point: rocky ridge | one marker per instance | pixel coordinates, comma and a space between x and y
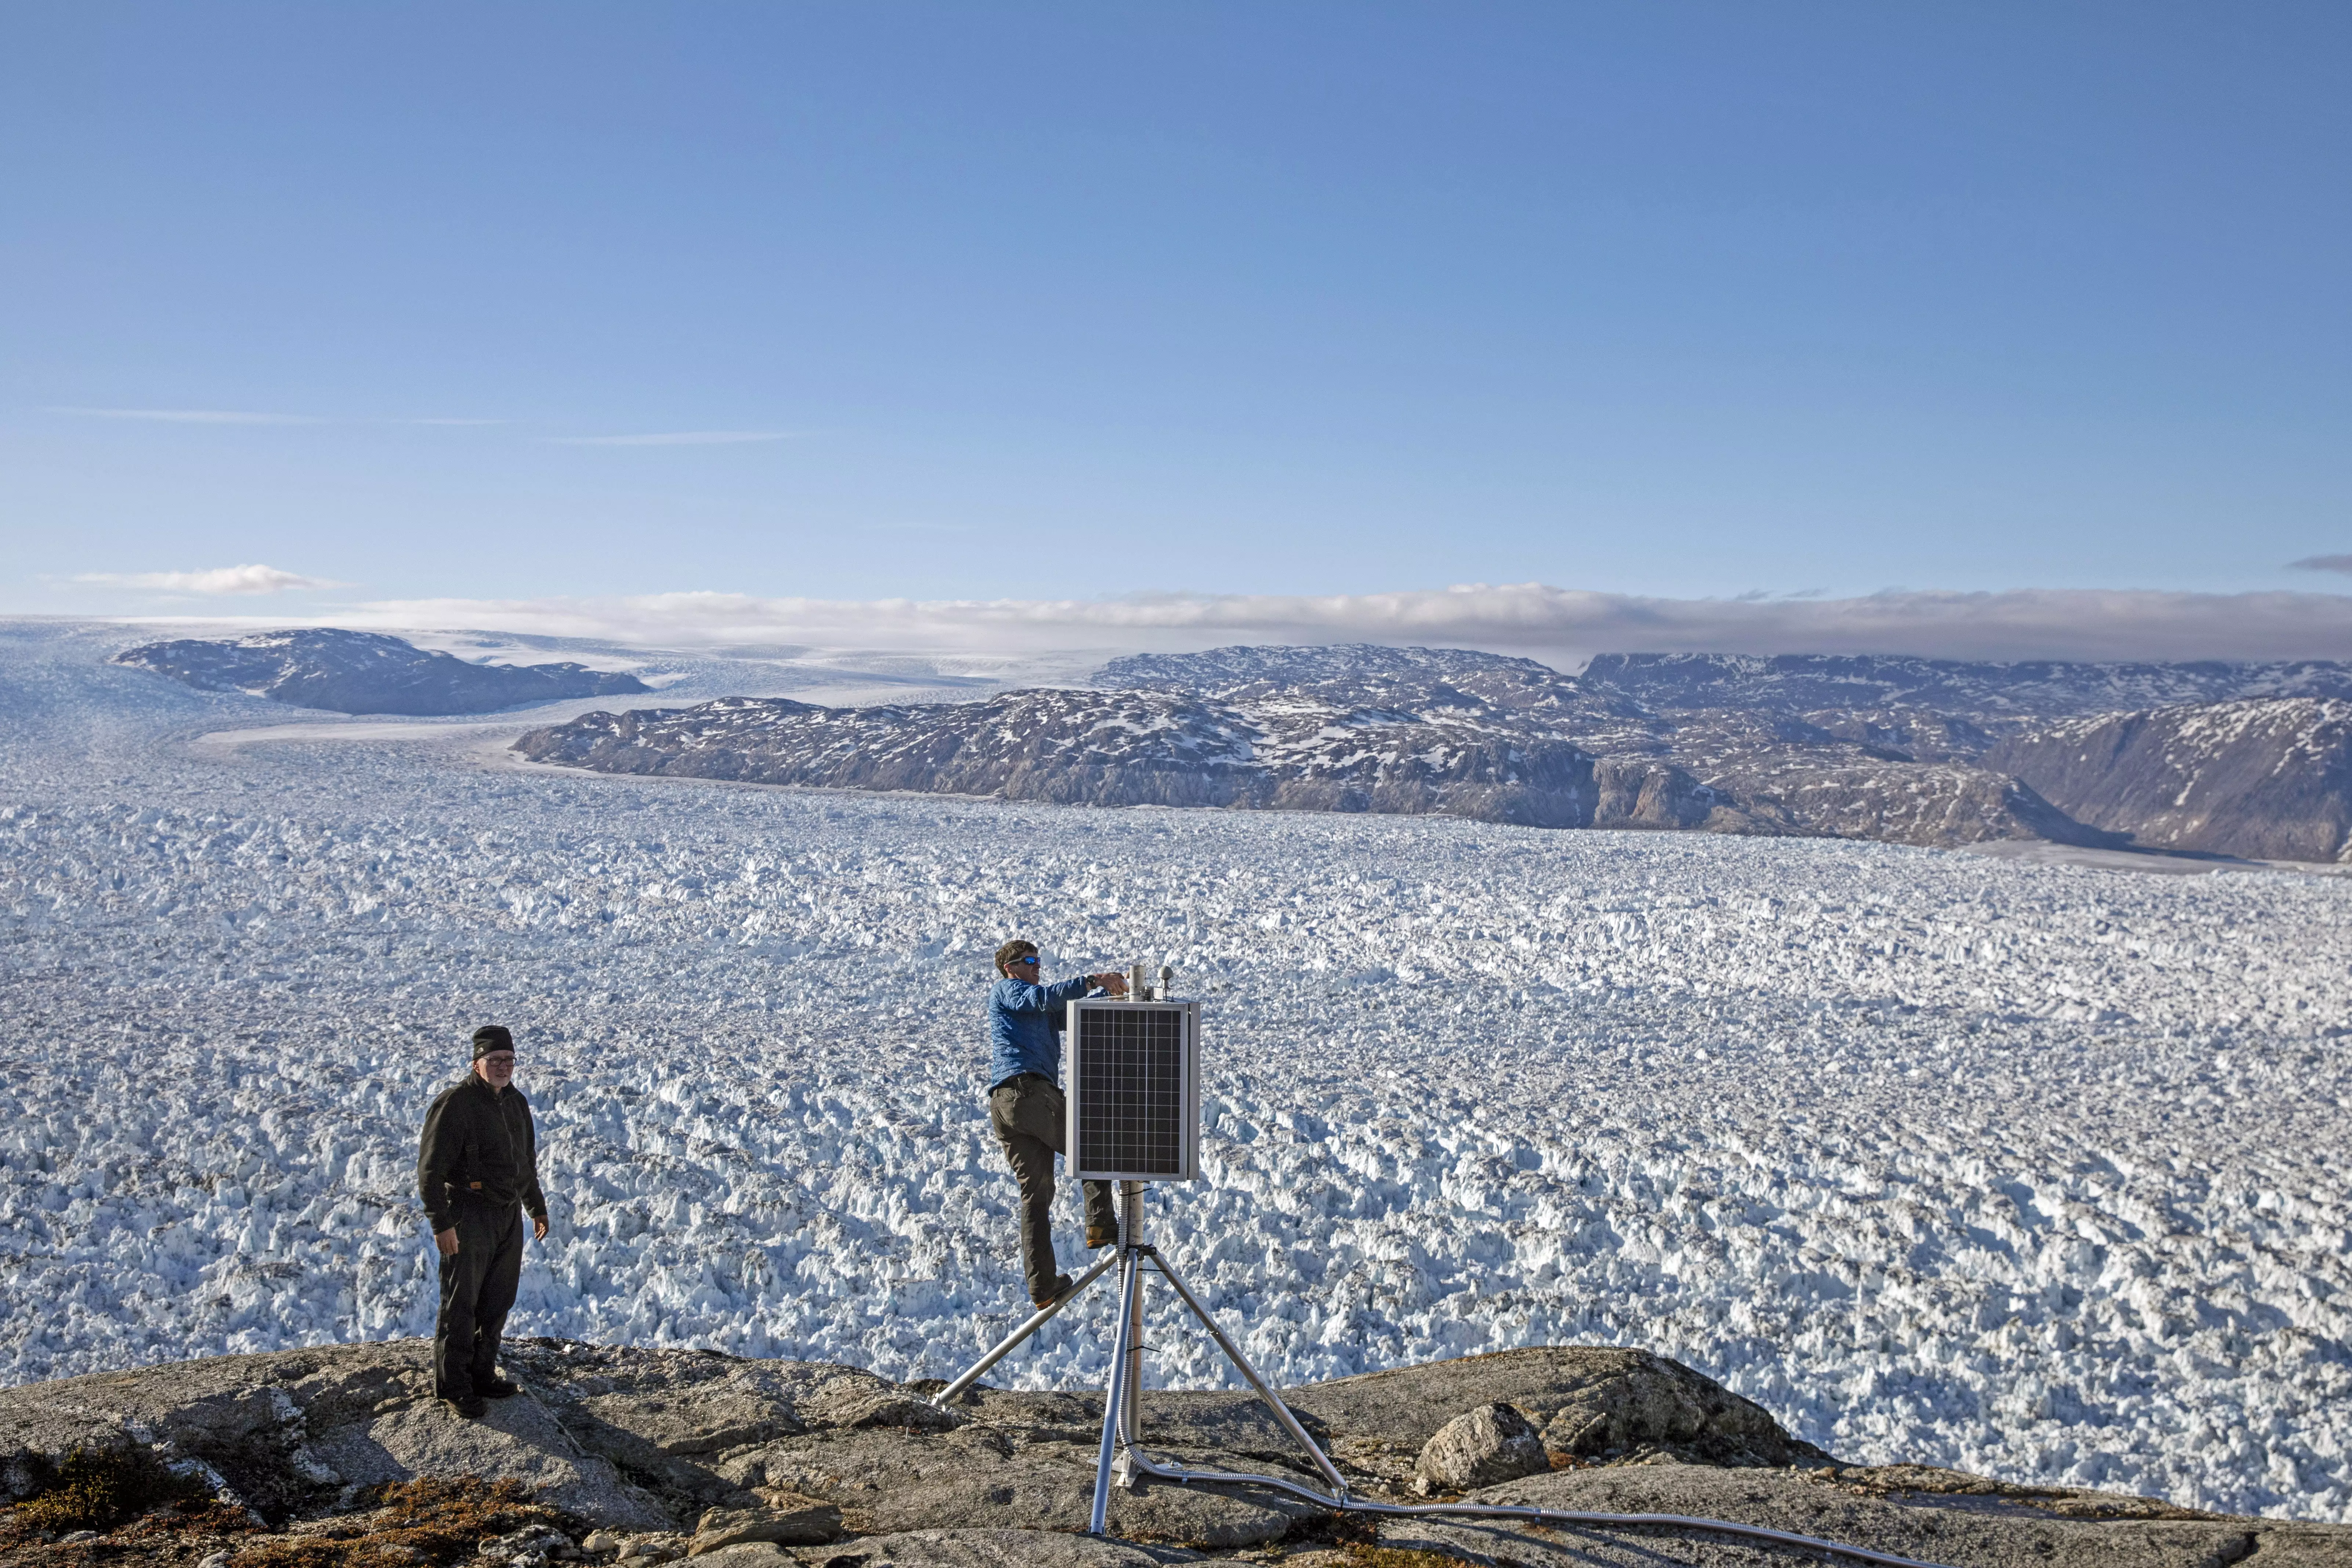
1409, 731
1924, 752
365, 672
334, 1455
2031, 689
2267, 778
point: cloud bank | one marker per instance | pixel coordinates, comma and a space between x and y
1559, 626
251, 579
2322, 564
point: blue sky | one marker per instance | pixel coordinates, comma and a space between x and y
846, 302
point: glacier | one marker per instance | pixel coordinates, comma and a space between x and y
2036, 1169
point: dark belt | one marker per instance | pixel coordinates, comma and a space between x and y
1016, 1077
471, 1192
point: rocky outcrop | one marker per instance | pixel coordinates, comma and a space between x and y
367, 672
1105, 748
2268, 780
1863, 683
1401, 731
630, 1454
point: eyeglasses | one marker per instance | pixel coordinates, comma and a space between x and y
500, 1059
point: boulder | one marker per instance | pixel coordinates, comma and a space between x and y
783, 1517
1492, 1444
1587, 1401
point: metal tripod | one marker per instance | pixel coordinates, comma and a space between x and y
1122, 1458
1124, 1461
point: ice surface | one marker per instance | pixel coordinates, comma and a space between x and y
2037, 1170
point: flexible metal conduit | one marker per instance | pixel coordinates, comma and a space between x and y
1337, 1497
1525, 1515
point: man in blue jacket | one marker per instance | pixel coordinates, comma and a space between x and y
1024, 1102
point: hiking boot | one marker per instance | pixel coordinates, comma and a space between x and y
1101, 1236
1062, 1283
498, 1388
472, 1406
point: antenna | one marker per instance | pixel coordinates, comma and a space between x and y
1135, 1117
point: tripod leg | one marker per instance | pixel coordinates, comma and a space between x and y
1134, 1415
1281, 1411
1130, 1282
1011, 1342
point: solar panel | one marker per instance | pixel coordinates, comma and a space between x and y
1135, 1090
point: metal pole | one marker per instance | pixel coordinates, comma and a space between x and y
1281, 1411
1132, 1225
1129, 1278
1011, 1341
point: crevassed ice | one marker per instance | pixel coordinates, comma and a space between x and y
2031, 1170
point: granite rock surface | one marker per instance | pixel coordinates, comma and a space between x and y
655, 1455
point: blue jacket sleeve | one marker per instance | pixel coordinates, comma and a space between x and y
1020, 996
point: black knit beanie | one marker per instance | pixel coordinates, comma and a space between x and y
491, 1037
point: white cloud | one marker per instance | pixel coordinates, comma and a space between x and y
676, 439
1561, 625
193, 415
252, 579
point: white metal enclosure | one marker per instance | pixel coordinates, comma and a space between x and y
1135, 1090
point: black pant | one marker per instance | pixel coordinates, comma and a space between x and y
1028, 1115
478, 1290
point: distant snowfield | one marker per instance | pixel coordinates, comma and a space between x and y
2037, 1170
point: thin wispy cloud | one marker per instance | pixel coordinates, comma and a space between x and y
256, 416
2322, 564
217, 580
676, 439
193, 415
1559, 626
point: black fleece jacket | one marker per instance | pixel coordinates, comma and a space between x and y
479, 1147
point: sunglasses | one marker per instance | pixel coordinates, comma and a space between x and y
1031, 962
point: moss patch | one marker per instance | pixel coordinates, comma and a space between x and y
422, 1520
98, 1489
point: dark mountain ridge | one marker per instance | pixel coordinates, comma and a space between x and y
2267, 779
1357, 729
2029, 689
367, 672
1103, 748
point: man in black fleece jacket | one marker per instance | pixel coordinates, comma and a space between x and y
477, 1171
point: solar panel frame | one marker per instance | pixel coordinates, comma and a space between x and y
1134, 1100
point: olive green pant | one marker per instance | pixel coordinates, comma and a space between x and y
1029, 1117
